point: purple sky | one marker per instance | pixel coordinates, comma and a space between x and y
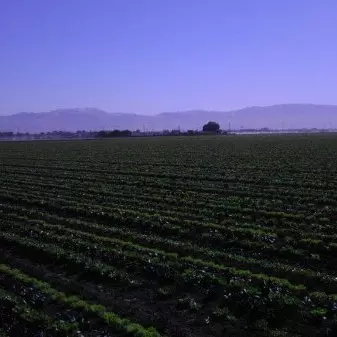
149, 56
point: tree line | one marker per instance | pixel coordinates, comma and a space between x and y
209, 128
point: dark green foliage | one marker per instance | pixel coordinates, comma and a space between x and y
212, 127
217, 236
114, 134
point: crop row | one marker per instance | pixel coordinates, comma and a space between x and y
218, 236
202, 207
307, 194
155, 263
111, 319
19, 318
172, 216
240, 297
150, 246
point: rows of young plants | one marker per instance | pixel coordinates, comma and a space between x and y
229, 209
156, 246
215, 235
27, 294
242, 294
208, 202
182, 246
250, 198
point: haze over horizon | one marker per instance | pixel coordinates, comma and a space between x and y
291, 116
149, 56
98, 110
92, 110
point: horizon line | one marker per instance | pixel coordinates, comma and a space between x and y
164, 112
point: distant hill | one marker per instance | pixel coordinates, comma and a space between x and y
284, 116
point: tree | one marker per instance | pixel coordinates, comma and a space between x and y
114, 133
213, 127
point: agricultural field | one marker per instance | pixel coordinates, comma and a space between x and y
148, 237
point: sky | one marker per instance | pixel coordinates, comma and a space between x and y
152, 56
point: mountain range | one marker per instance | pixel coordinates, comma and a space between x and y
283, 116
